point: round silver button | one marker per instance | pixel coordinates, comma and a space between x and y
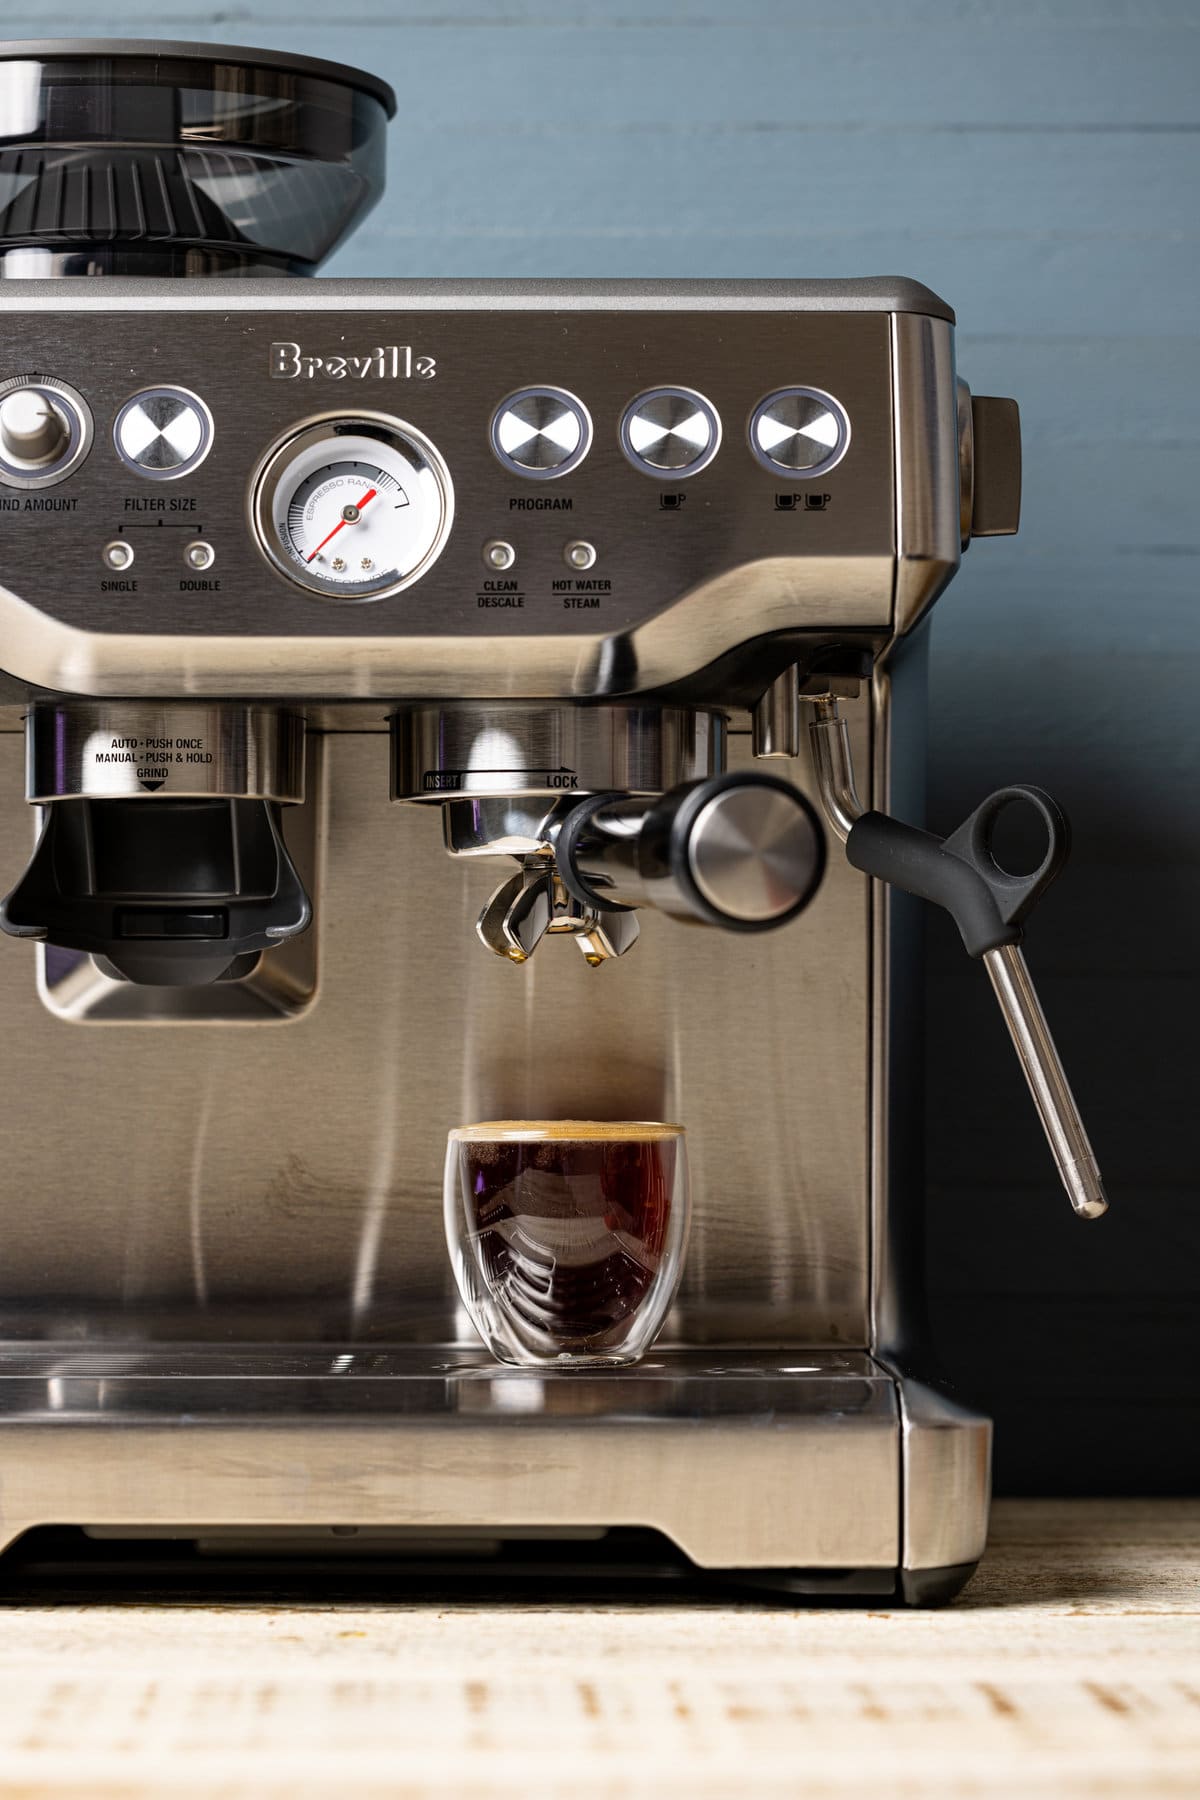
199, 555
117, 555
670, 431
799, 431
498, 553
540, 433
579, 554
163, 433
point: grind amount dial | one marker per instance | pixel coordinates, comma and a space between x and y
352, 508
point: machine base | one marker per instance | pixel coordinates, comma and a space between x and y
811, 1473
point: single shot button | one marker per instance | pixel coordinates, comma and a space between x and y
118, 555
670, 431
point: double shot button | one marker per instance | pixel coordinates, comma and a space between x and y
799, 431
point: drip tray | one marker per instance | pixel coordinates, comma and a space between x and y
742, 1459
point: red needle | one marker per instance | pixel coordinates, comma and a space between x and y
369, 495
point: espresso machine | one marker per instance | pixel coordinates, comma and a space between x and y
359, 640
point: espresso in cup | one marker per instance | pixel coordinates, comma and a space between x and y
567, 1235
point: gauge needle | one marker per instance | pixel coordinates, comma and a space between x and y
358, 506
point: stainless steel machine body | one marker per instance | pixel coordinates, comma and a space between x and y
225, 1299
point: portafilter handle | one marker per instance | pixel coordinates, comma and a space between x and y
989, 906
744, 852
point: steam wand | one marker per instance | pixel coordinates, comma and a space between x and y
988, 905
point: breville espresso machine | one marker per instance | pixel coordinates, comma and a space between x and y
360, 640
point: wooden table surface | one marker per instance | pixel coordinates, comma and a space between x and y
1070, 1666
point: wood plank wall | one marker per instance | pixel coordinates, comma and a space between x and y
1036, 161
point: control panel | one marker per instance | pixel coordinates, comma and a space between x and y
245, 471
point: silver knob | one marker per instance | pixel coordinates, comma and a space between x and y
670, 431
742, 851
799, 431
541, 432
34, 432
755, 853
45, 431
163, 433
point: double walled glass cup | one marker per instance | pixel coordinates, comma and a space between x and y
567, 1235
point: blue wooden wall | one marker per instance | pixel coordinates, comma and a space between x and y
1037, 162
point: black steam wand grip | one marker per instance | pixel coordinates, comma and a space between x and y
961, 874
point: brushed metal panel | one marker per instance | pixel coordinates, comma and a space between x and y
871, 293
743, 1460
671, 591
947, 1478
113, 751
281, 1180
928, 477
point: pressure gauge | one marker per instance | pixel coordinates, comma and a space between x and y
352, 507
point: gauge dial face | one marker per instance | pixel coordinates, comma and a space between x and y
353, 508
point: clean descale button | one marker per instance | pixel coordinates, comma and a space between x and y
163, 433
541, 433
498, 553
799, 431
670, 431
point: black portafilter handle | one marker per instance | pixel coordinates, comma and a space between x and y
745, 852
163, 892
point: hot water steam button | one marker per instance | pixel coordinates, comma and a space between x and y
541, 432
163, 433
799, 431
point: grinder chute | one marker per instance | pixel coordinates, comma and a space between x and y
161, 851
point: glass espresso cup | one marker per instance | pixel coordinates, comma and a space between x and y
567, 1235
